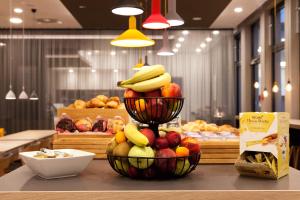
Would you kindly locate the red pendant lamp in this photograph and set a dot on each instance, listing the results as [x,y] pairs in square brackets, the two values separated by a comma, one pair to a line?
[156,20]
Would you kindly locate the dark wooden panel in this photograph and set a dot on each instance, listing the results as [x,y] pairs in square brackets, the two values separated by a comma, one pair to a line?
[97,14]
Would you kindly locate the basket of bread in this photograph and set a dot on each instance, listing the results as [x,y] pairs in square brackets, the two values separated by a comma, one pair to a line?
[208,131]
[100,101]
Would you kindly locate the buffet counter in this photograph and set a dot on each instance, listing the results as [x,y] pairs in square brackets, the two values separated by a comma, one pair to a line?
[99,181]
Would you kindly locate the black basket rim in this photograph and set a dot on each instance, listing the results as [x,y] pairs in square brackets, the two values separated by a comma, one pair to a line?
[177,98]
[177,157]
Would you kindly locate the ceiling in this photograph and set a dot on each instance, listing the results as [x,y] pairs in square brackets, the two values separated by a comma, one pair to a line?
[52,9]
[96,14]
[228,18]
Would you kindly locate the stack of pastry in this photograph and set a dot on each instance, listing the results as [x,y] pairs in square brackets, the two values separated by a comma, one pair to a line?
[203,126]
[100,101]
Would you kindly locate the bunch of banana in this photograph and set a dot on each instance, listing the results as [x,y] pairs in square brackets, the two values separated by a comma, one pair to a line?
[135,136]
[147,79]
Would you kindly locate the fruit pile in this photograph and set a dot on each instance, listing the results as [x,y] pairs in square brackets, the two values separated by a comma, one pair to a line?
[151,95]
[139,154]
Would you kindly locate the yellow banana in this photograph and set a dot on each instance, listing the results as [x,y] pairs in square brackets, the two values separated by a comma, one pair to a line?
[150,85]
[145,74]
[135,136]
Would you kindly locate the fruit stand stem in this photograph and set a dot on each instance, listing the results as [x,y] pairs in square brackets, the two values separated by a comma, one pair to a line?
[154,128]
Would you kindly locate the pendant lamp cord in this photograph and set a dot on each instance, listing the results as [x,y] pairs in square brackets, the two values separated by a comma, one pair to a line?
[23,53]
[10,46]
[166,1]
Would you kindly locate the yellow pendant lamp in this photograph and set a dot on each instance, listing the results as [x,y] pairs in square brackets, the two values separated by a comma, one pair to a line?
[132,37]
[140,63]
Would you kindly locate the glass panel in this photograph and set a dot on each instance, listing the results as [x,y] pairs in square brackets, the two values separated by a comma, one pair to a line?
[279,76]
[279,26]
[255,40]
[256,87]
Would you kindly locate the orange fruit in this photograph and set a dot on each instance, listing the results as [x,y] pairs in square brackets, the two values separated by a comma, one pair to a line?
[182,151]
[140,105]
[120,137]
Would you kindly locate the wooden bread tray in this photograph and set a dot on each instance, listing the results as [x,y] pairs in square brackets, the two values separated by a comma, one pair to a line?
[95,143]
[107,113]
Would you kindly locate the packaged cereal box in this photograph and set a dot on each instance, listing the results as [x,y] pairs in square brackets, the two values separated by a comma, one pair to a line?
[264,144]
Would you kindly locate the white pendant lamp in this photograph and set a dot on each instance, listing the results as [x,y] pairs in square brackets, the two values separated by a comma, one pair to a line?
[265,93]
[165,50]
[23,95]
[33,95]
[127,8]
[172,16]
[275,87]
[288,86]
[10,94]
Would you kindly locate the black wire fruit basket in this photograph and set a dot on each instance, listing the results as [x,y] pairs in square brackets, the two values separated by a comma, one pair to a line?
[154,110]
[154,168]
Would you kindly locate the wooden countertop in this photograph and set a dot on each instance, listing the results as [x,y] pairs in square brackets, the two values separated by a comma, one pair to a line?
[6,146]
[99,180]
[295,123]
[29,135]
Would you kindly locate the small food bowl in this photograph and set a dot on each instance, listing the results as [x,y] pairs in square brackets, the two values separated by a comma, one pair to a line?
[59,167]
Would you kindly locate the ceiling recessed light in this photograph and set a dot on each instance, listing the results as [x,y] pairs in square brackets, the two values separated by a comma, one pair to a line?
[208,39]
[238,9]
[2,44]
[59,22]
[112,53]
[18,10]
[175,50]
[216,32]
[89,53]
[282,39]
[93,70]
[116,70]
[15,20]
[181,39]
[203,45]
[96,51]
[197,18]
[198,50]
[178,45]
[47,20]
[71,70]
[149,51]
[82,6]
[185,32]
[124,51]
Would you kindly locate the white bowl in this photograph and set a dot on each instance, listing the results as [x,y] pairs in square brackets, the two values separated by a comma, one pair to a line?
[49,168]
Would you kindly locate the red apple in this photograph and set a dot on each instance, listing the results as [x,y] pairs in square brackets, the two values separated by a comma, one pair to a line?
[129,93]
[192,144]
[173,139]
[167,162]
[161,143]
[149,172]
[133,172]
[149,134]
[171,90]
[156,110]
[155,93]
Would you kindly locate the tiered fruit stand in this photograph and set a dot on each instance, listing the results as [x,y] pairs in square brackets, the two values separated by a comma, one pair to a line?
[159,110]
